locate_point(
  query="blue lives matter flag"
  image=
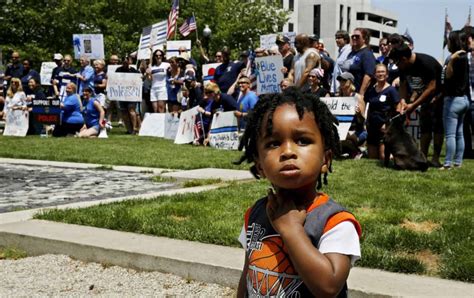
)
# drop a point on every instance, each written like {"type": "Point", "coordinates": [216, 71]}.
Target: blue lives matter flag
{"type": "Point", "coordinates": [158, 38]}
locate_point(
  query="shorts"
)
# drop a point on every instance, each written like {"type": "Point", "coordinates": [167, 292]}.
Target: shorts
{"type": "Point", "coordinates": [125, 105]}
{"type": "Point", "coordinates": [431, 118]}
{"type": "Point", "coordinates": [102, 100]}
{"type": "Point", "coordinates": [374, 135]}
{"type": "Point", "coordinates": [157, 94]}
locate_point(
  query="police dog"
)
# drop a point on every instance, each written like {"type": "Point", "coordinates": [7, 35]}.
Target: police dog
{"type": "Point", "coordinates": [399, 143]}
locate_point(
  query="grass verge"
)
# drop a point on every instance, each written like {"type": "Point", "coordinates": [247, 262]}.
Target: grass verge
{"type": "Point", "coordinates": [10, 253]}
{"type": "Point", "coordinates": [412, 222]}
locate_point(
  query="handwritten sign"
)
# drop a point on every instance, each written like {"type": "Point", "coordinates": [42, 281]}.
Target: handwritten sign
{"type": "Point", "coordinates": [46, 72]}
{"type": "Point", "coordinates": [208, 71]}
{"type": "Point", "coordinates": [267, 41]}
{"type": "Point", "coordinates": [269, 75]}
{"type": "Point", "coordinates": [16, 123]}
{"type": "Point", "coordinates": [172, 47]}
{"type": "Point", "coordinates": [90, 45]}
{"type": "Point", "coordinates": [185, 133]}
{"type": "Point", "coordinates": [171, 126]}
{"type": "Point", "coordinates": [124, 86]}
{"type": "Point", "coordinates": [343, 108]}
{"type": "Point", "coordinates": [47, 110]}
{"type": "Point", "coordinates": [224, 133]}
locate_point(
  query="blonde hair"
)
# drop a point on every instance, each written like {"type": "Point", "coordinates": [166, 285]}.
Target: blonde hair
{"type": "Point", "coordinates": [347, 83]}
{"type": "Point", "coordinates": [211, 86]}
{"type": "Point", "coordinates": [18, 89]}
{"type": "Point", "coordinates": [99, 62]}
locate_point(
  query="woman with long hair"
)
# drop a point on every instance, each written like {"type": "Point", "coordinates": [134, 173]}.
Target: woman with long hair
{"type": "Point", "coordinates": [456, 103]}
{"type": "Point", "coordinates": [157, 73]}
{"type": "Point", "coordinates": [15, 99]}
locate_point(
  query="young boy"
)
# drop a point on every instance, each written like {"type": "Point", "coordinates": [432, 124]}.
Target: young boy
{"type": "Point", "coordinates": [298, 242]}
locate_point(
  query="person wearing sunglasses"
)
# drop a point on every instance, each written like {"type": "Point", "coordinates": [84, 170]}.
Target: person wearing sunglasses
{"type": "Point", "coordinates": [65, 75]}
{"type": "Point", "coordinates": [361, 61]}
{"type": "Point", "coordinates": [14, 69]}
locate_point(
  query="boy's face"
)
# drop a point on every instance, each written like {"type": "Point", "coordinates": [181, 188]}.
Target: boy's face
{"type": "Point", "coordinates": [292, 156]}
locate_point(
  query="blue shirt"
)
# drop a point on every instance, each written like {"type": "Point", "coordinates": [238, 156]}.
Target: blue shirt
{"type": "Point", "coordinates": [88, 74]}
{"type": "Point", "coordinates": [245, 104]}
{"type": "Point", "coordinates": [91, 114]}
{"type": "Point", "coordinates": [382, 104]}
{"type": "Point", "coordinates": [71, 112]}
{"type": "Point", "coordinates": [362, 63]}
{"type": "Point", "coordinates": [226, 74]}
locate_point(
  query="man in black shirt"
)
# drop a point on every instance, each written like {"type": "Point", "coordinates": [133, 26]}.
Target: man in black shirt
{"type": "Point", "coordinates": [284, 48]}
{"type": "Point", "coordinates": [421, 74]}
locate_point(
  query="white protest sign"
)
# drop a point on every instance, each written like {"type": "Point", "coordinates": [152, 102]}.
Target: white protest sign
{"type": "Point", "coordinates": [224, 132]}
{"type": "Point", "coordinates": [16, 123]}
{"type": "Point", "coordinates": [185, 134]}
{"type": "Point", "coordinates": [267, 41]}
{"type": "Point", "coordinates": [90, 45]}
{"type": "Point", "coordinates": [153, 125]}
{"type": "Point", "coordinates": [154, 35]}
{"type": "Point", "coordinates": [343, 108]}
{"type": "Point", "coordinates": [171, 126]}
{"type": "Point", "coordinates": [208, 71]}
{"type": "Point", "coordinates": [46, 72]}
{"type": "Point", "coordinates": [172, 47]}
{"type": "Point", "coordinates": [269, 75]}
{"type": "Point", "coordinates": [124, 86]}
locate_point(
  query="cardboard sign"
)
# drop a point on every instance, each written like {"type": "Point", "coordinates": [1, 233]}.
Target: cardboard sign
{"type": "Point", "coordinates": [16, 123]}
{"type": "Point", "coordinates": [344, 110]}
{"type": "Point", "coordinates": [208, 71]}
{"type": "Point", "coordinates": [224, 132]}
{"type": "Point", "coordinates": [172, 47]}
{"type": "Point", "coordinates": [46, 72]}
{"type": "Point", "coordinates": [267, 41]}
{"type": "Point", "coordinates": [171, 126]}
{"type": "Point", "coordinates": [154, 35]}
{"type": "Point", "coordinates": [124, 86]}
{"type": "Point", "coordinates": [269, 75]}
{"type": "Point", "coordinates": [90, 45]}
{"type": "Point", "coordinates": [185, 133]}
{"type": "Point", "coordinates": [46, 111]}
{"type": "Point", "coordinates": [153, 125]}
{"type": "Point", "coordinates": [414, 125]}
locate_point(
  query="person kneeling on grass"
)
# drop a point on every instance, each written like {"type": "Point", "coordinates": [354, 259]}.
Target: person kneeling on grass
{"type": "Point", "coordinates": [71, 113]}
{"type": "Point", "coordinates": [298, 241]}
{"type": "Point", "coordinates": [94, 115]}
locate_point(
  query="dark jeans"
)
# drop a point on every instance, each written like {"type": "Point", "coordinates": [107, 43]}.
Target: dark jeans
{"type": "Point", "coordinates": [66, 128]}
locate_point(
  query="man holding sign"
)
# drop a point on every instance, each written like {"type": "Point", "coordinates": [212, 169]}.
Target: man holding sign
{"type": "Point", "coordinates": [129, 108]}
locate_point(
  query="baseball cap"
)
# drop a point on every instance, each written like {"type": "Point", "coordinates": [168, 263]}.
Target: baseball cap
{"type": "Point", "coordinates": [282, 39]}
{"type": "Point", "coordinates": [407, 38]}
{"type": "Point", "coordinates": [346, 76]}
{"type": "Point", "coordinates": [58, 56]}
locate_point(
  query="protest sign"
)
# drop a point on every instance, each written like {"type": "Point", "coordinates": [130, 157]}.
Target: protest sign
{"type": "Point", "coordinates": [414, 124]}
{"type": "Point", "coordinates": [90, 45]}
{"type": "Point", "coordinates": [269, 75]}
{"type": "Point", "coordinates": [124, 86]}
{"type": "Point", "coordinates": [16, 123]}
{"type": "Point", "coordinates": [171, 126]}
{"type": "Point", "coordinates": [172, 47]}
{"type": "Point", "coordinates": [154, 35]}
{"type": "Point", "coordinates": [46, 111]}
{"type": "Point", "coordinates": [267, 41]}
{"type": "Point", "coordinates": [46, 72]}
{"type": "Point", "coordinates": [208, 71]}
{"type": "Point", "coordinates": [224, 133]}
{"type": "Point", "coordinates": [185, 134]}
{"type": "Point", "coordinates": [153, 125]}
{"type": "Point", "coordinates": [343, 108]}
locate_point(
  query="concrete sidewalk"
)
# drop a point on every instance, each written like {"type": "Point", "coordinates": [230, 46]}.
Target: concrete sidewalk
{"type": "Point", "coordinates": [198, 261]}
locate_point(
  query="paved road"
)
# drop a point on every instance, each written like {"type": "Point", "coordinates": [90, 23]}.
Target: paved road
{"type": "Point", "coordinates": [26, 187]}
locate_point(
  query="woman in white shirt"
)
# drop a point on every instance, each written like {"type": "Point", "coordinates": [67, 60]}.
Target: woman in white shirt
{"type": "Point", "coordinates": [157, 73]}
{"type": "Point", "coordinates": [16, 98]}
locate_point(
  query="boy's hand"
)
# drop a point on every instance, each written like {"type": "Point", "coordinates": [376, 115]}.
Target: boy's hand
{"type": "Point", "coordinates": [282, 211]}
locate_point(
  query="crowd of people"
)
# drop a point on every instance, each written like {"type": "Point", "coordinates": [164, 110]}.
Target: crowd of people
{"type": "Point", "coordinates": [397, 81]}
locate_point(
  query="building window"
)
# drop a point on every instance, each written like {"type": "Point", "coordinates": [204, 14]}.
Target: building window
{"type": "Point", "coordinates": [317, 20]}
{"type": "Point", "coordinates": [341, 16]}
{"type": "Point", "coordinates": [348, 19]}
{"type": "Point", "coordinates": [360, 16]}
{"type": "Point", "coordinates": [291, 5]}
{"type": "Point", "coordinates": [290, 27]}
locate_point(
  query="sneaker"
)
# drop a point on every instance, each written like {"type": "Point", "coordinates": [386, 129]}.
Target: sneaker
{"type": "Point", "coordinates": [445, 168]}
{"type": "Point", "coordinates": [120, 123]}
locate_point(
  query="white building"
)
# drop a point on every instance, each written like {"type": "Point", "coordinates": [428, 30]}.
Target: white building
{"type": "Point", "coordinates": [324, 17]}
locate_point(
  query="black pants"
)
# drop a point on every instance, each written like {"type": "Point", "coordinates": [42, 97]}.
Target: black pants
{"type": "Point", "coordinates": [66, 128]}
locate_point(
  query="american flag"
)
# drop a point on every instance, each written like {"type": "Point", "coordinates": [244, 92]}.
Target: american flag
{"type": "Point", "coordinates": [172, 18]}
{"type": "Point", "coordinates": [188, 26]}
{"type": "Point", "coordinates": [251, 71]}
{"type": "Point", "coordinates": [160, 38]}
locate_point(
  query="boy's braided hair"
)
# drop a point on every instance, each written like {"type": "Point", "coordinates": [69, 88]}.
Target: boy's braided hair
{"type": "Point", "coordinates": [302, 102]}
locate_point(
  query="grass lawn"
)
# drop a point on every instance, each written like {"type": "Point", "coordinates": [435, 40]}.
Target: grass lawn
{"type": "Point", "coordinates": [119, 149]}
{"type": "Point", "coordinates": [412, 222]}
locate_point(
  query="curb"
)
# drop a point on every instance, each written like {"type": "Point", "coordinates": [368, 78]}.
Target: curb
{"type": "Point", "coordinates": [194, 260]}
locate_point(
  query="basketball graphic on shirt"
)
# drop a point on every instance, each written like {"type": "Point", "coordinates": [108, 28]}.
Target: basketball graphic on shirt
{"type": "Point", "coordinates": [270, 270]}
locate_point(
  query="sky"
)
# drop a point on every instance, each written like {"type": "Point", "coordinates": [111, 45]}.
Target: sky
{"type": "Point", "coordinates": [425, 20]}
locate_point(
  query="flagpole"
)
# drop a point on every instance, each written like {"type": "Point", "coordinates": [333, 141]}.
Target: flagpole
{"type": "Point", "coordinates": [444, 38]}
{"type": "Point", "coordinates": [195, 21]}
